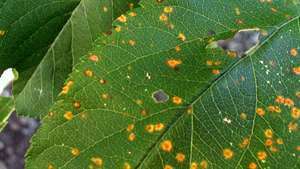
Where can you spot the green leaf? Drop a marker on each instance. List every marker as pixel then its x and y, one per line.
pixel 43 40
pixel 6 108
pixel 109 118
pixel 27 30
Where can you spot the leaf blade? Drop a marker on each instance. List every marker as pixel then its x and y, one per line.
pixel 215 132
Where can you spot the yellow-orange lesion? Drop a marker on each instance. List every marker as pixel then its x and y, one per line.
pixel 228 153
pixel 166 145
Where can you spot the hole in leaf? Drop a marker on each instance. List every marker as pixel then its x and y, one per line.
pixel 160 96
pixel 242 42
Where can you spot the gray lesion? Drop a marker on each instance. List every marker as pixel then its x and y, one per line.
pixel 160 96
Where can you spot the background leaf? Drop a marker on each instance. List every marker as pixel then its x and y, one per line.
pixel 233 113
pixel 44 39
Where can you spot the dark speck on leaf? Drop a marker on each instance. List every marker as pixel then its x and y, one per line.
pixel 211 33
pixel 160 96
pixel 108 33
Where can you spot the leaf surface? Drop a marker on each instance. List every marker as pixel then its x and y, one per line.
pixel 233 113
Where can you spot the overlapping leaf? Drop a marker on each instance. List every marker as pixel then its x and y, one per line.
pixel 222 112
pixel 44 39
pixel 6 108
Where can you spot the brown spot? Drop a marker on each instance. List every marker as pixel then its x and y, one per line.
pixel 296 70
pixel 274 10
pixel 83 115
pixel 159 127
pixel 292 126
pixel 232 54
pixel 209 62
pixel 50 166
pixel 168 9
pixel 97 161
pixel 216 71
pixel 94 58
pixel 298 94
pixel 88 73
pixel 131 42
pixel 177 48
pixel 132 14
pixel 295 113
pixel 294 52
pixel 77 104
pixel 130 127
pixel 131 137
pixel 166 146
pixel 243 116
pixel 67 87
pixel 217 63
pixel 203 164
pixel 228 153
pixel 168 167
pixel 68 115
pixel 239 21
pixel 273 149
pixel 2 33
pixel 102 81
pixel 50 114
pixel 75 151
pixel 105 96
pixel 181 37
pixel 127 166
pixel 280 99
pixel 279 141
pixel 170 26
pixel 268 133
pixel 268 142
pixel 131 5
pixel 244 143
pixel 163 17
pixel 261 155
pixel 118 28
pixel 174 63
pixel 122 18
pixel 177 100
pixel 252 165
pixel 150 128
pixel 189 110
pixel 288 102
pixel 105 9
pixel 194 165
pixel 143 112
pixel 180 157
pixel 275 109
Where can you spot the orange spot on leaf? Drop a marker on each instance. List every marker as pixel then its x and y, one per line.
pixel 228 153
pixel 68 115
pixel 166 146
pixel 173 63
